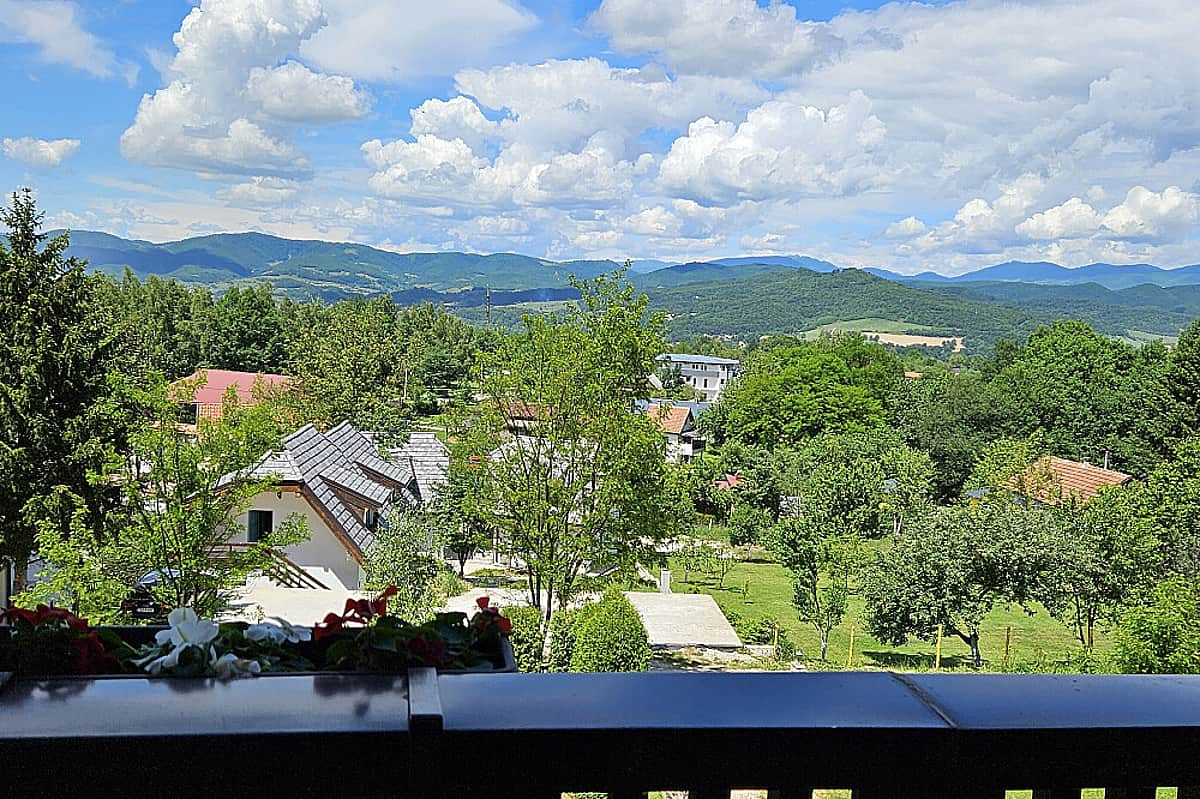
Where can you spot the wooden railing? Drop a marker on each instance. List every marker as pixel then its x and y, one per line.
pixel 276 566
pixel 508 736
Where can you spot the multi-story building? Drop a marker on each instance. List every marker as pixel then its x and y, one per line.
pixel 706 374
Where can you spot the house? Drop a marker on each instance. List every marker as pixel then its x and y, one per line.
pixel 429 460
pixel 1053 481
pixel 730 482
pixel 677 420
pixel 207 400
pixel 340 485
pixel 706 374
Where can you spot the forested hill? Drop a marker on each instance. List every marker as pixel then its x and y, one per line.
pixel 320 268
pixel 797 300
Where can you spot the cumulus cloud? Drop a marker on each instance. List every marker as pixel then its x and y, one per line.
pixel 719 37
pixel 260 192
pixel 55 28
pixel 456 118
pixel 40 152
pixel 386 40
pixel 295 93
pixel 905 228
pixel 983 226
pixel 1154 215
pixel 782 149
pixel 656 221
pixel 230 107
pixel 1069 220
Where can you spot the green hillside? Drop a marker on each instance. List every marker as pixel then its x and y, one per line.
pixel 798 300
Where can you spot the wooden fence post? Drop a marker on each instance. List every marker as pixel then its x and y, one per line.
pixel 850 656
pixel 937 650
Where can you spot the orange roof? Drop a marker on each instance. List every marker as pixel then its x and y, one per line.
pixel 730 482
pixel 914 375
pixel 218 382
pixel 671 418
pixel 1053 480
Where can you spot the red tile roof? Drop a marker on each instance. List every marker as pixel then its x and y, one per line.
pixel 730 482
pixel 219 380
pixel 1052 480
pixel 671 418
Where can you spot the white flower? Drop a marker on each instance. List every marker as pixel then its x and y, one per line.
pixel 265 632
pixel 230 665
pixel 293 634
pixel 186 629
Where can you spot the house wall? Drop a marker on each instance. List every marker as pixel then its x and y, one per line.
pixel 5 584
pixel 323 547
pixel 717 377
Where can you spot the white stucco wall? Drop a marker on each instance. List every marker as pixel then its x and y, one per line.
pixel 323 548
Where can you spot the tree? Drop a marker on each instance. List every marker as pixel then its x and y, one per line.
pixel 183 496
pixel 951 567
pixel 405 554
pixel 581 483
pixel 1183 382
pixel 461 507
pixel 1162 637
pixel 58 423
pixel 1170 500
pixel 1104 557
pixel 242 331
pixel 822 565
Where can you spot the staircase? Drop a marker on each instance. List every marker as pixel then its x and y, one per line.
pixel 277 567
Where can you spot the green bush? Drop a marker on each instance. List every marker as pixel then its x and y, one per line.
pixel 526 637
pixel 562 640
pixel 747 524
pixel 762 631
pixel 611 637
pixel 1163 637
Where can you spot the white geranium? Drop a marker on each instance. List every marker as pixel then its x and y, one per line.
pixel 230 665
pixel 281 633
pixel 185 630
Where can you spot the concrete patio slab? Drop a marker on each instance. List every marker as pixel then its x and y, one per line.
pixel 674 621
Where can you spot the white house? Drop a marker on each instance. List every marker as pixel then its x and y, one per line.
pixel 340 485
pixel 706 374
pixel 677 420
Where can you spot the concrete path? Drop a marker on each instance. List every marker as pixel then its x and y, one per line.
pixel 674 621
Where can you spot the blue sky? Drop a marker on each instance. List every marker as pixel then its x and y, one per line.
pixel 914 136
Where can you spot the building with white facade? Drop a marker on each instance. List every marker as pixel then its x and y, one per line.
pixel 707 375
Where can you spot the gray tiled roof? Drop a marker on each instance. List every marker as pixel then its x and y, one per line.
pixel 427 457
pixel 343 459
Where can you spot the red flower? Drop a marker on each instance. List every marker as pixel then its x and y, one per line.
pixel 428 651
pixel 483 602
pixel 379 603
pixel 332 624
pixel 505 624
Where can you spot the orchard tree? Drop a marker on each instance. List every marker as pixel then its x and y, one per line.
pixel 1103 559
pixel 577 477
pixel 1163 635
pixel 951 567
pixel 404 554
pixel 57 420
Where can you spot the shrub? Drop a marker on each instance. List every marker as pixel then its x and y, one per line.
pixel 1163 637
pixel 762 631
pixel 611 637
pixel 562 640
pixel 747 524
pixel 526 637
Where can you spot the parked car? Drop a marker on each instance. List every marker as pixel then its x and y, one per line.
pixel 141 603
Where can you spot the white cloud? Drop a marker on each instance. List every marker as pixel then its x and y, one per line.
pixel 456 118
pixel 719 37
pixel 656 221
pixel 54 26
pixel 783 149
pixel 1154 215
pixel 230 107
pixel 390 40
pixel 982 226
pixel 260 192
pixel 295 93
pixel 905 228
pixel 1071 219
pixel 40 152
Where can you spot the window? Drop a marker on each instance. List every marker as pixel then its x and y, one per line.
pixel 371 519
pixel 258 524
pixel 706 382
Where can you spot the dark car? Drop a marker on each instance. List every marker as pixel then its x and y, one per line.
pixel 141 603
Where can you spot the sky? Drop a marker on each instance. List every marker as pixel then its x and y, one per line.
pixel 940 136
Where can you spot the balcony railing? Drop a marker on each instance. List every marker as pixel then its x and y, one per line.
pixel 506 736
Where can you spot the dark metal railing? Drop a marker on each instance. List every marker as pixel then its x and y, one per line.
pixel 504 736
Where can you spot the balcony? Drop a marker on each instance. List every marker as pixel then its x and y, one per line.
pixel 516 735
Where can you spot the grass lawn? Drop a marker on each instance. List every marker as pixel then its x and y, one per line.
pixel 1035 638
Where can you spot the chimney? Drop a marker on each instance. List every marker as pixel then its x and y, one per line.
pixel 664 581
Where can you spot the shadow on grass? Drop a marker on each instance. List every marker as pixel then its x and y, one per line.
pixel 904 661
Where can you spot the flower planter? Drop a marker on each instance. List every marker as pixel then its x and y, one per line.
pixel 502 660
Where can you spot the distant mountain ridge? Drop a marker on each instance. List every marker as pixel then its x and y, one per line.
pixel 336 269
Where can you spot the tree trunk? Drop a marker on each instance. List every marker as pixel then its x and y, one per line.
pixel 973 642
pixel 20 574
pixel 823 635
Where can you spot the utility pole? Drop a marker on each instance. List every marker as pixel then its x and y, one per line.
pixel 487 304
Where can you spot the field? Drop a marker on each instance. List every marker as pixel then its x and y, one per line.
pixel 1036 640
pixel 888 331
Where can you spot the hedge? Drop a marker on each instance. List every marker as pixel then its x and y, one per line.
pixel 526 637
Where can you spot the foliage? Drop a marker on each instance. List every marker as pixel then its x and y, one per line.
pixel 1104 558
pixel 747 524
pixel 527 636
pixel 405 554
pixel 367 638
pixel 949 568
pixel 1164 636
pixel 611 638
pixel 764 631
pixel 58 421
pixel 561 639
pixel 49 640
pixel 460 506
pixel 787 394
pixel 243 331
pixel 583 482
pixel 1171 502
pixel 194 647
